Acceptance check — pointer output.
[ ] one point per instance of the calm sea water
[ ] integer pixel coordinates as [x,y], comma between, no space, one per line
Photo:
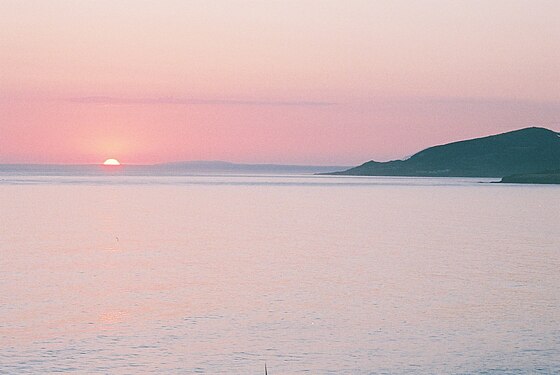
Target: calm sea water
[312,275]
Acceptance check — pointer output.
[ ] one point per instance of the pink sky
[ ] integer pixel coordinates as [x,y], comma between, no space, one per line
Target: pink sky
[306,81]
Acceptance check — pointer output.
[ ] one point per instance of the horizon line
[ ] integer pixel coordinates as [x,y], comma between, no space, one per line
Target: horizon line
[174,162]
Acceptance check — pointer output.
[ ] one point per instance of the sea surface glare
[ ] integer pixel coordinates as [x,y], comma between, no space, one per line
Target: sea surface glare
[310,274]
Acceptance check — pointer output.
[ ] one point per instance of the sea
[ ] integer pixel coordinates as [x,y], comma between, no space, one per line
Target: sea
[306,274]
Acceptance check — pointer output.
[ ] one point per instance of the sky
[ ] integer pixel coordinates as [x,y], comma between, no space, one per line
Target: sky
[333,82]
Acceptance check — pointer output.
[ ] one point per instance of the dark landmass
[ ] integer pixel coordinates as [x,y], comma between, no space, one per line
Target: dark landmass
[523,151]
[167,169]
[546,177]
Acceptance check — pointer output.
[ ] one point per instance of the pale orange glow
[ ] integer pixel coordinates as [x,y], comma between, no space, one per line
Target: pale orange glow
[111,162]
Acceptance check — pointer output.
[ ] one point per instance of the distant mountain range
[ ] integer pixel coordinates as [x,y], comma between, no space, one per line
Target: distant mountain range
[528,154]
[204,166]
[524,151]
[183,168]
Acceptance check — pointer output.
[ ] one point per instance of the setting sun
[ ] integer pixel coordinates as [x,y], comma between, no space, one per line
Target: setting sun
[111,162]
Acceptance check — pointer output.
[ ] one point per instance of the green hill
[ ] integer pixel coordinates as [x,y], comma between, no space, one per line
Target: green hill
[523,151]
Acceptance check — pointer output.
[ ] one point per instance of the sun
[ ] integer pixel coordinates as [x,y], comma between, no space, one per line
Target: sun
[111,162]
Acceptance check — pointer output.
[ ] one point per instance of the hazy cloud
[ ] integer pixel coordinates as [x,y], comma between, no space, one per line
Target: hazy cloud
[109,100]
